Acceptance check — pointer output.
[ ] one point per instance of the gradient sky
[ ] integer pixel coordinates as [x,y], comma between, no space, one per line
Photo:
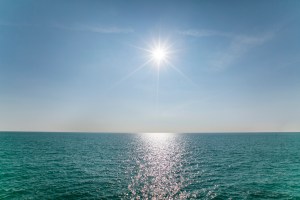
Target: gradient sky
[67,66]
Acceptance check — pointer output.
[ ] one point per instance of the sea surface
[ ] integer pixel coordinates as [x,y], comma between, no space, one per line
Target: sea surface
[149,166]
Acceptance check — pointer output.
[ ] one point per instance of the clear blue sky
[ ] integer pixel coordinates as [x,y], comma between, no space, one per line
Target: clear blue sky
[67,66]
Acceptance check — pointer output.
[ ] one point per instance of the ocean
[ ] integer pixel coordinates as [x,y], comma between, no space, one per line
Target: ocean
[149,166]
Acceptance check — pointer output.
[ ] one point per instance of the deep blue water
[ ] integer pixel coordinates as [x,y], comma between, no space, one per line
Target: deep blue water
[149,166]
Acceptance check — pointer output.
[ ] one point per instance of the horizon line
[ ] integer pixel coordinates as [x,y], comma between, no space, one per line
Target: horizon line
[116,132]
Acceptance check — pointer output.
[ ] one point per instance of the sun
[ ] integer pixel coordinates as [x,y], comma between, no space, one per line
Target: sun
[159,55]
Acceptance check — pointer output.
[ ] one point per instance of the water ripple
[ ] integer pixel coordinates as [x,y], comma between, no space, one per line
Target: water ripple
[149,166]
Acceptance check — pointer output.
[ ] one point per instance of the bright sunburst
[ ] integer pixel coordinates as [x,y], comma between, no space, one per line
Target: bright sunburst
[159,55]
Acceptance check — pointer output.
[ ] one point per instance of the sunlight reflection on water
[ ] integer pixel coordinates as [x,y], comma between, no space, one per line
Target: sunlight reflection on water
[158,172]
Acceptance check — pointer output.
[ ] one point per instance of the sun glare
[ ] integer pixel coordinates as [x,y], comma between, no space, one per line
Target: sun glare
[159,55]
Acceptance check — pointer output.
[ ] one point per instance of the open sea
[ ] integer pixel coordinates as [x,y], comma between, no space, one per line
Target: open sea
[149,166]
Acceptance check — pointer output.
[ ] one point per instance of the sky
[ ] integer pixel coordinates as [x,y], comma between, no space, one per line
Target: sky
[84,66]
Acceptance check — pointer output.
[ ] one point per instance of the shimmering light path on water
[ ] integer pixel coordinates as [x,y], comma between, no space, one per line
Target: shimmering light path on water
[149,166]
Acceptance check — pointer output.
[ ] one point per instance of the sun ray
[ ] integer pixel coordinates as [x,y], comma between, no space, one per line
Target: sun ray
[140,48]
[181,73]
[157,92]
[130,74]
[159,54]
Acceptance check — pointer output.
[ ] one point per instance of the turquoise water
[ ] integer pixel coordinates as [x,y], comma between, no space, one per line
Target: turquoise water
[149,166]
